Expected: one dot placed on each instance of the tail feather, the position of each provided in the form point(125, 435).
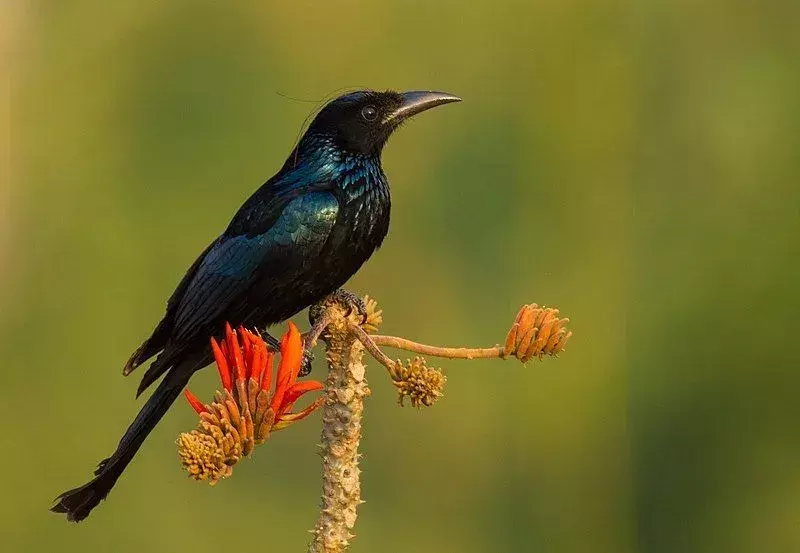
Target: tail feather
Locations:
point(158, 367)
point(154, 344)
point(79, 502)
point(161, 334)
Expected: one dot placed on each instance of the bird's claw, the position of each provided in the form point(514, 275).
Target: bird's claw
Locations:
point(305, 364)
point(275, 345)
point(347, 299)
point(353, 302)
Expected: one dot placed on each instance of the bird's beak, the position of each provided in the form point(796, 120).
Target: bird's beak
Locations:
point(417, 101)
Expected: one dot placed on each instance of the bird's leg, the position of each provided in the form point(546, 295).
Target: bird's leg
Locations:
point(273, 343)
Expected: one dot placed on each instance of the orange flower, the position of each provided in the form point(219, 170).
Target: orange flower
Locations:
point(244, 414)
point(196, 404)
point(245, 354)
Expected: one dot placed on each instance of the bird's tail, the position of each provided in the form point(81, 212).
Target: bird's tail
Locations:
point(78, 503)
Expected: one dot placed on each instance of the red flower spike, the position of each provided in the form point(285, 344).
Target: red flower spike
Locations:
point(281, 383)
point(257, 362)
point(256, 343)
point(247, 347)
point(243, 354)
point(289, 367)
point(222, 365)
point(296, 390)
point(266, 378)
point(234, 352)
point(295, 347)
point(290, 418)
point(196, 404)
point(294, 417)
point(257, 348)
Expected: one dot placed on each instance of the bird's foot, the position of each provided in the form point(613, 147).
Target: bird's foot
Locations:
point(305, 364)
point(347, 299)
point(275, 345)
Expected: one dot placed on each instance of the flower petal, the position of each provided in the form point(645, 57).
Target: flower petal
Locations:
point(266, 377)
point(196, 404)
point(291, 357)
point(290, 418)
point(222, 365)
point(295, 391)
point(294, 351)
point(256, 362)
point(247, 349)
point(235, 352)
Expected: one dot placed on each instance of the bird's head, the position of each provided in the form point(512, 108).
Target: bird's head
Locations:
point(361, 122)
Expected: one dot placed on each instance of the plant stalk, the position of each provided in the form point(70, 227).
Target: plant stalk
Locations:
point(346, 388)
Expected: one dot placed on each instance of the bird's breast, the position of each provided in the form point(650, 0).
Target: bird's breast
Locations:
point(366, 206)
point(362, 220)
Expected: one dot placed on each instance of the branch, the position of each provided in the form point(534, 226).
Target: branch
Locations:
point(311, 337)
point(371, 346)
point(346, 389)
point(437, 351)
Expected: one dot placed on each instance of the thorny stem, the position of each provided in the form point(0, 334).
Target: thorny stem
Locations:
point(346, 389)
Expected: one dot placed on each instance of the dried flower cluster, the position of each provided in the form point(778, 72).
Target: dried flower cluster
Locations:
point(421, 384)
point(374, 316)
point(345, 390)
point(210, 451)
point(244, 414)
point(537, 331)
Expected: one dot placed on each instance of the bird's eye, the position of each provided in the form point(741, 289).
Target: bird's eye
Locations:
point(369, 113)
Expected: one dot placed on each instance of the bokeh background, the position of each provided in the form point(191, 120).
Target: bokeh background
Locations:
point(633, 163)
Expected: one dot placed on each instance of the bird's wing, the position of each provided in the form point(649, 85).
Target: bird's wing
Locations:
point(290, 236)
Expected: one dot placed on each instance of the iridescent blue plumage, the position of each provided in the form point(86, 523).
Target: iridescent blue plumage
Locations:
point(297, 239)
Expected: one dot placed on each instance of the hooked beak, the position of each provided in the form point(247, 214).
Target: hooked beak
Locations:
point(417, 101)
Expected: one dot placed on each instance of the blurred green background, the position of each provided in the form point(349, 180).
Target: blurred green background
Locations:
point(633, 163)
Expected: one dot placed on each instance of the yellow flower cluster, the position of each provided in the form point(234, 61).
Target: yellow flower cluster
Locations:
point(227, 431)
point(416, 381)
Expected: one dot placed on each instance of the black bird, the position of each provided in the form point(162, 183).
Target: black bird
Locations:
point(295, 241)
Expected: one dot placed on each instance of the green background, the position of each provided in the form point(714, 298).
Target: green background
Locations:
point(633, 163)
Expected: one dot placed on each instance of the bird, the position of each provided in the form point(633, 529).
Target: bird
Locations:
point(295, 241)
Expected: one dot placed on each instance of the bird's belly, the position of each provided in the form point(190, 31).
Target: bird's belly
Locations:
point(306, 285)
point(357, 233)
